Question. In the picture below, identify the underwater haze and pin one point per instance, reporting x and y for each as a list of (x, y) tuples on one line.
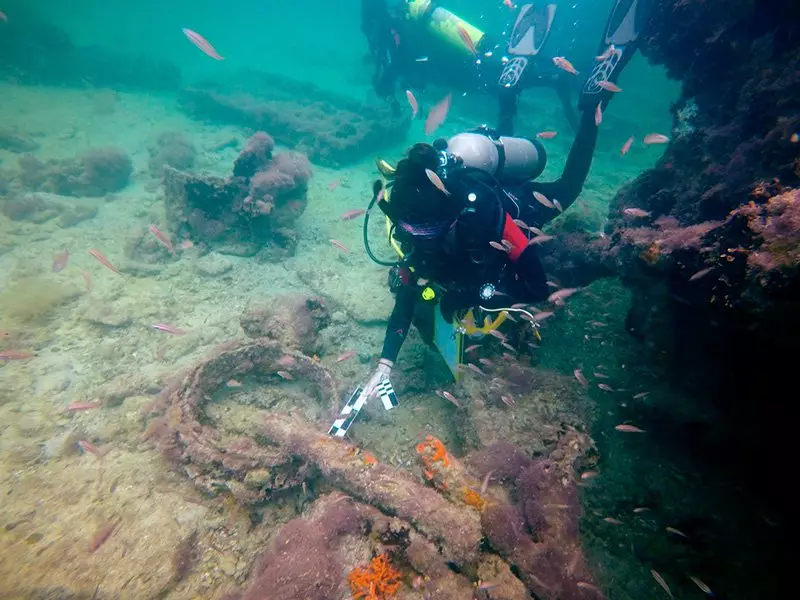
[(250, 348)]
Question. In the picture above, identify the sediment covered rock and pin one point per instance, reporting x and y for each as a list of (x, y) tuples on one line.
[(250, 211), (332, 130)]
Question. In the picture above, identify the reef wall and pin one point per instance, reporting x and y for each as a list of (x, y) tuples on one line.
[(709, 240)]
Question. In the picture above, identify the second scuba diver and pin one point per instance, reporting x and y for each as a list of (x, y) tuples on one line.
[(401, 32), (460, 208)]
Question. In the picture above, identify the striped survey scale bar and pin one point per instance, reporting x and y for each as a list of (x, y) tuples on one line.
[(356, 402)]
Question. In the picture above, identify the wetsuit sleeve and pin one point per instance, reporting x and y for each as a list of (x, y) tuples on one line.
[(399, 322)]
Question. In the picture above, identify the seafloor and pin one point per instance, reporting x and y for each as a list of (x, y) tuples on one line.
[(170, 538)]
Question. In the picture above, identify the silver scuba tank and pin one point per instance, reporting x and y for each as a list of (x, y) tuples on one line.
[(507, 158)]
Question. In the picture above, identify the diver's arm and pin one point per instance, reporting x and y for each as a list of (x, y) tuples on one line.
[(399, 322)]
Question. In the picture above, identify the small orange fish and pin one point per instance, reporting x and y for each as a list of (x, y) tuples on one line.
[(561, 295), (437, 115), (103, 260), (557, 205), (703, 587), (509, 4), (564, 64), (73, 406), (612, 520), (609, 86), (202, 43), (285, 375), (466, 39), (794, 138), (522, 225), (543, 200), (15, 355), (352, 214), (233, 383), (162, 237), (166, 328), (540, 239), (91, 448), (581, 378), (626, 146), (588, 475), (677, 532), (60, 261), (641, 395), (598, 115), (655, 138), (345, 356), (625, 428), (508, 401), (340, 245), (546, 135), (636, 213), (449, 397), (607, 53), (701, 273), (412, 102), (102, 535), (498, 246), (606, 388), (436, 181), (541, 316), (475, 368), (660, 581)]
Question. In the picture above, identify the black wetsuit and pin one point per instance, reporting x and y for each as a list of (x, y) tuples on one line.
[(467, 261), (394, 45)]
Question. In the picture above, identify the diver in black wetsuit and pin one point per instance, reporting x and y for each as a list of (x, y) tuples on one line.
[(463, 244), (395, 31)]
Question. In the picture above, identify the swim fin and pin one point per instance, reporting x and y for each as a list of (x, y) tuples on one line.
[(531, 30), (617, 46)]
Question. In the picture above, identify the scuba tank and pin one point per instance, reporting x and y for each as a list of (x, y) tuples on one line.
[(444, 24), (507, 158)]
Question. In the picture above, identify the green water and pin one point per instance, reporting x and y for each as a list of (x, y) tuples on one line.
[(91, 329)]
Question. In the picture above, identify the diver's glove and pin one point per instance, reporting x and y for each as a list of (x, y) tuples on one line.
[(382, 372)]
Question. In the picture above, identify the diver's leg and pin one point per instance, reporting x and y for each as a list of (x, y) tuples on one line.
[(617, 46), (624, 25), (507, 98), (565, 96), (566, 189)]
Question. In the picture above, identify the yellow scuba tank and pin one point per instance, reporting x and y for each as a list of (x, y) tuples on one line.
[(444, 24)]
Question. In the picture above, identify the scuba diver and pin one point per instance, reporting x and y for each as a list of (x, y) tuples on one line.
[(398, 31), (460, 214)]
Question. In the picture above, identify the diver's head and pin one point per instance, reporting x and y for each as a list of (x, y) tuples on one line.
[(414, 198)]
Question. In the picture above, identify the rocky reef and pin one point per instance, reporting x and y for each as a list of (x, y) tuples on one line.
[(249, 423), (251, 211), (95, 173), (708, 241), (332, 130)]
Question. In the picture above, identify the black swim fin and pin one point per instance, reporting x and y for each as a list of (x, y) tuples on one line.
[(617, 46), (531, 30)]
